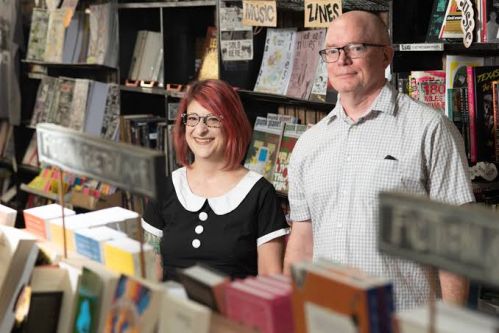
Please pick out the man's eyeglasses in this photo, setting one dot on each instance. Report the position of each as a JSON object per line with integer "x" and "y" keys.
{"x": 353, "y": 51}
{"x": 192, "y": 119}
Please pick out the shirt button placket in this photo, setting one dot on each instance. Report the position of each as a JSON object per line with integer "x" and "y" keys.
{"x": 196, "y": 243}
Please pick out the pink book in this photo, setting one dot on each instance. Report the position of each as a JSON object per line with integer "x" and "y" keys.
{"x": 472, "y": 113}
{"x": 254, "y": 307}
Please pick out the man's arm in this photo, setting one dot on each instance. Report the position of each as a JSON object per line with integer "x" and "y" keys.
{"x": 454, "y": 288}
{"x": 300, "y": 244}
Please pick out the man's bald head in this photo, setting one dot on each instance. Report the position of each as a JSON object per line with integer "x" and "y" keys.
{"x": 370, "y": 24}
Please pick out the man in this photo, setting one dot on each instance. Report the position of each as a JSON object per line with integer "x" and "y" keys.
{"x": 375, "y": 139}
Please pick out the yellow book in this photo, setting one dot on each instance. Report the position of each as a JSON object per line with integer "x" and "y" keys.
{"x": 123, "y": 256}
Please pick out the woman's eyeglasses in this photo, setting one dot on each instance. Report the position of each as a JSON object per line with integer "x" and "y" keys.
{"x": 192, "y": 119}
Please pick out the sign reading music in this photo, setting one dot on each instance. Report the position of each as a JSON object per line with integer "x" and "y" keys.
{"x": 131, "y": 168}
{"x": 260, "y": 13}
{"x": 464, "y": 240}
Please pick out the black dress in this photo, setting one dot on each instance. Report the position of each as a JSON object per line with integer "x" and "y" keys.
{"x": 222, "y": 232}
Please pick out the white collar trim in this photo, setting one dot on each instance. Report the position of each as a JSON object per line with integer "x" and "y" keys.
{"x": 221, "y": 205}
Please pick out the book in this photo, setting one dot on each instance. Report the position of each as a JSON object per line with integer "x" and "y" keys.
{"x": 305, "y": 62}
{"x": 7, "y": 216}
{"x": 436, "y": 20}
{"x": 456, "y": 75}
{"x": 451, "y": 25}
{"x": 135, "y": 306}
{"x": 289, "y": 138}
{"x": 264, "y": 144}
{"x": 489, "y": 21}
{"x": 183, "y": 315}
{"x": 89, "y": 241}
{"x": 265, "y": 310}
{"x": 138, "y": 51}
{"x": 17, "y": 276}
{"x": 44, "y": 99}
{"x": 448, "y": 319}
{"x": 343, "y": 302}
{"x": 122, "y": 255}
{"x": 495, "y": 101}
{"x": 428, "y": 87}
{"x": 277, "y": 62}
{"x": 205, "y": 285}
{"x": 53, "y": 279}
{"x": 209, "y": 61}
{"x": 38, "y": 34}
{"x": 44, "y": 312}
{"x": 36, "y": 219}
{"x": 55, "y": 36}
{"x": 480, "y": 107}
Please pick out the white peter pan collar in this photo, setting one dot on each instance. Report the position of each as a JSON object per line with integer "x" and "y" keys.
{"x": 220, "y": 205}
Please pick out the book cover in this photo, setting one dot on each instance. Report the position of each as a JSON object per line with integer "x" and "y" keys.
{"x": 277, "y": 62}
{"x": 262, "y": 151}
{"x": 455, "y": 73}
{"x": 62, "y": 107}
{"x": 209, "y": 61}
{"x": 111, "y": 119}
{"x": 88, "y": 299}
{"x": 428, "y": 87}
{"x": 36, "y": 218}
{"x": 135, "y": 306}
{"x": 55, "y": 36}
{"x": 481, "y": 112}
{"x": 44, "y": 98}
{"x": 17, "y": 276}
{"x": 79, "y": 105}
{"x": 38, "y": 34}
{"x": 342, "y": 301}
{"x": 89, "y": 241}
{"x": 267, "y": 311}
{"x": 122, "y": 255}
{"x": 436, "y": 20}
{"x": 305, "y": 62}
{"x": 289, "y": 138}
{"x": 183, "y": 315}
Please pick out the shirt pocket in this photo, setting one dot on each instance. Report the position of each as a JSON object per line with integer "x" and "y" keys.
{"x": 377, "y": 175}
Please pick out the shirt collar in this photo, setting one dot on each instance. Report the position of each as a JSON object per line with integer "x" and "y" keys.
{"x": 220, "y": 205}
{"x": 384, "y": 102}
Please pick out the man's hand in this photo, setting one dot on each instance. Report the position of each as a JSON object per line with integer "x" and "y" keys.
{"x": 300, "y": 244}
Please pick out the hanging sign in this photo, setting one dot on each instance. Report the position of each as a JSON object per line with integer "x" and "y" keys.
{"x": 261, "y": 13}
{"x": 464, "y": 240}
{"x": 131, "y": 168}
{"x": 320, "y": 13}
{"x": 467, "y": 21}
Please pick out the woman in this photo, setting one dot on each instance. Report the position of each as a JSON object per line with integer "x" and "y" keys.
{"x": 216, "y": 211}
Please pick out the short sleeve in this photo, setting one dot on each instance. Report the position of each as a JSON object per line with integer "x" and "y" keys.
{"x": 296, "y": 193}
{"x": 152, "y": 221}
{"x": 271, "y": 220}
{"x": 449, "y": 179}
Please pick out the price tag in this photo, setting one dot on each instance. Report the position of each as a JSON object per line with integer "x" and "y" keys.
{"x": 261, "y": 13}
{"x": 320, "y": 13}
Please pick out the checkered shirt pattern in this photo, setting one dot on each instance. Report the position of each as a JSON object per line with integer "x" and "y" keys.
{"x": 338, "y": 167}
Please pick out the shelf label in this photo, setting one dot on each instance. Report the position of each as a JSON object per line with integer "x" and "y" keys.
{"x": 320, "y": 13}
{"x": 261, "y": 13}
{"x": 131, "y": 168}
{"x": 464, "y": 240}
{"x": 422, "y": 47}
{"x": 467, "y": 21}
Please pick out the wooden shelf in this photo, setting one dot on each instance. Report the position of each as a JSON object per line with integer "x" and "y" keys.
{"x": 142, "y": 90}
{"x": 67, "y": 65}
{"x": 166, "y": 4}
{"x": 48, "y": 195}
{"x": 457, "y": 47}
{"x": 281, "y": 99}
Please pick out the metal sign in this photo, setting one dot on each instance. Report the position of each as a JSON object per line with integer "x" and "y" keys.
{"x": 131, "y": 168}
{"x": 464, "y": 240}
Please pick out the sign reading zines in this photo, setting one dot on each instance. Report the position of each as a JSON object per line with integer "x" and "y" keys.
{"x": 460, "y": 239}
{"x": 467, "y": 21}
{"x": 261, "y": 13}
{"x": 131, "y": 168}
{"x": 320, "y": 13}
